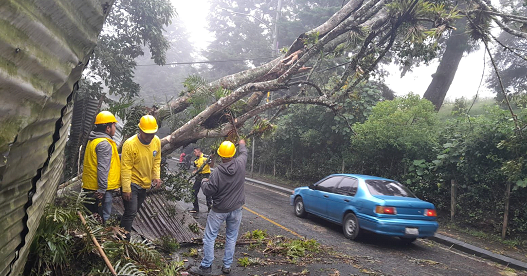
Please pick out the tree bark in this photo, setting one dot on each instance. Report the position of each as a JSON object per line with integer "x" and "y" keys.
{"x": 506, "y": 211}
{"x": 453, "y": 203}
{"x": 456, "y": 45}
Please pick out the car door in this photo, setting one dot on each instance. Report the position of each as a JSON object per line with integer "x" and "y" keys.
{"x": 342, "y": 198}
{"x": 318, "y": 196}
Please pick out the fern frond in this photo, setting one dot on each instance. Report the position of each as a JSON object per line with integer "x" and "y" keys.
{"x": 194, "y": 82}
{"x": 143, "y": 252}
{"x": 127, "y": 269}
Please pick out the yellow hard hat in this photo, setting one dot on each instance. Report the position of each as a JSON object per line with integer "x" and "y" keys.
{"x": 226, "y": 149}
{"x": 105, "y": 117}
{"x": 148, "y": 124}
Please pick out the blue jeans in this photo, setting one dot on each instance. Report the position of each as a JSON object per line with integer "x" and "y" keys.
{"x": 214, "y": 221}
{"x": 107, "y": 205}
{"x": 101, "y": 206}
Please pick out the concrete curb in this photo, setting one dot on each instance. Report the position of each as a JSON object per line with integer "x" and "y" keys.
{"x": 452, "y": 243}
{"x": 479, "y": 252}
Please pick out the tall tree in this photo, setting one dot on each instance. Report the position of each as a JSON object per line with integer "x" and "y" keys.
{"x": 473, "y": 28}
{"x": 456, "y": 45}
{"x": 131, "y": 25}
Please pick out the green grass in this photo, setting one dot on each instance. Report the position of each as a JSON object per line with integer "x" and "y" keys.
{"x": 511, "y": 242}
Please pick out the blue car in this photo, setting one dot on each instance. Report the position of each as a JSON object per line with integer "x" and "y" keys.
{"x": 363, "y": 202}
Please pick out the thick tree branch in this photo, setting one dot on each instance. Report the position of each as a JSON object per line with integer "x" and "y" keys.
{"x": 381, "y": 56}
{"x": 352, "y": 67}
{"x": 366, "y": 13}
{"x": 329, "y": 25}
{"x": 228, "y": 82}
{"x": 511, "y": 17}
{"x": 504, "y": 27}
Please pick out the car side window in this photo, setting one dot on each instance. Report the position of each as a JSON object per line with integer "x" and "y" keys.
{"x": 348, "y": 186}
{"x": 387, "y": 187}
{"x": 330, "y": 184}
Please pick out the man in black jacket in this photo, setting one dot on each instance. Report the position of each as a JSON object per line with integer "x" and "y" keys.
{"x": 226, "y": 186}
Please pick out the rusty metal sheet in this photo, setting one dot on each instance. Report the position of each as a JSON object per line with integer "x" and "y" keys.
{"x": 44, "y": 46}
{"x": 159, "y": 217}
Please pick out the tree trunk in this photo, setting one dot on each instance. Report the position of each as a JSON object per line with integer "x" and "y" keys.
{"x": 292, "y": 158}
{"x": 456, "y": 45}
{"x": 506, "y": 211}
{"x": 274, "y": 166}
{"x": 453, "y": 192}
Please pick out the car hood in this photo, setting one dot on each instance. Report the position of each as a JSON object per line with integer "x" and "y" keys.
{"x": 407, "y": 202}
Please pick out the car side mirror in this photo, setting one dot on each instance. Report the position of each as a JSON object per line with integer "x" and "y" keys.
{"x": 312, "y": 187}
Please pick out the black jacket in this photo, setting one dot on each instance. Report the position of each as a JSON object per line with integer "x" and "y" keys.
{"x": 226, "y": 184}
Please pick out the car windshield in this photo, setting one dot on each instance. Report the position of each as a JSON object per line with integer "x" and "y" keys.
{"x": 388, "y": 188}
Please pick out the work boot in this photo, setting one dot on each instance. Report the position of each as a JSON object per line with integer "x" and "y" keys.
{"x": 201, "y": 270}
{"x": 226, "y": 270}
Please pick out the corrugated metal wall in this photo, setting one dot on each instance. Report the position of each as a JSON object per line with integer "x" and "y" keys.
{"x": 44, "y": 46}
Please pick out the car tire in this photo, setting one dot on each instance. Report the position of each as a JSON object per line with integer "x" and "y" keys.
{"x": 350, "y": 226}
{"x": 300, "y": 211}
{"x": 406, "y": 240}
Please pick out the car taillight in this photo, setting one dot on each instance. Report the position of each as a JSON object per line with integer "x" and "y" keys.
{"x": 385, "y": 210}
{"x": 430, "y": 213}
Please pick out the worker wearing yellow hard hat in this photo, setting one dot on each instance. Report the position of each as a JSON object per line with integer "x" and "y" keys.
{"x": 226, "y": 187}
{"x": 140, "y": 168}
{"x": 202, "y": 165}
{"x": 227, "y": 149}
{"x": 102, "y": 174}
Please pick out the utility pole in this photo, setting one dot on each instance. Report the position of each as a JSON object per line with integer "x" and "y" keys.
{"x": 275, "y": 38}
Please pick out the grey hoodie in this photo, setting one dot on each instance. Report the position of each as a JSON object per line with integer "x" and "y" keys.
{"x": 104, "y": 157}
{"x": 226, "y": 184}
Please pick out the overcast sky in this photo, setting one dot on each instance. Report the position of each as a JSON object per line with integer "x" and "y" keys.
{"x": 465, "y": 83}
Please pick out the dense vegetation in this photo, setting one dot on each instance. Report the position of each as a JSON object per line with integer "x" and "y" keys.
{"x": 406, "y": 140}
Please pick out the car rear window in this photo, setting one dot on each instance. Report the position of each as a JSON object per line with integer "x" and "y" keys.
{"x": 388, "y": 188}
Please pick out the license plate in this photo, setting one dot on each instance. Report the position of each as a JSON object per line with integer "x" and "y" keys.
{"x": 411, "y": 231}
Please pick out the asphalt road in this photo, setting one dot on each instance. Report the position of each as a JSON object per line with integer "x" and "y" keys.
{"x": 270, "y": 210}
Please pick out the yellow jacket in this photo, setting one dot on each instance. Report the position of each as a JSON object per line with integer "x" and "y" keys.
{"x": 140, "y": 163}
{"x": 101, "y": 164}
{"x": 198, "y": 162}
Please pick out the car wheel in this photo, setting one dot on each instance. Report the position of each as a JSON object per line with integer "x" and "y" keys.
{"x": 407, "y": 240}
{"x": 300, "y": 211}
{"x": 350, "y": 226}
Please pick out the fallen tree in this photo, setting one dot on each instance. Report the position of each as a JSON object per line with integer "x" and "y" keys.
{"x": 367, "y": 30}
{"x": 363, "y": 31}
